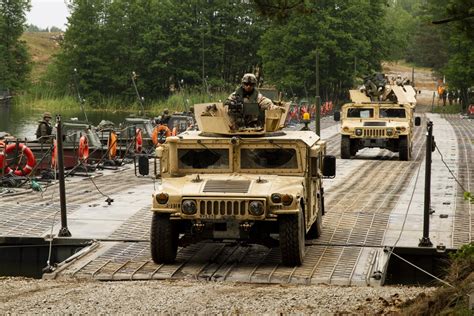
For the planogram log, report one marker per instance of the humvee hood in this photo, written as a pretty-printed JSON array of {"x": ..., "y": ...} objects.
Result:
[{"x": 234, "y": 185}]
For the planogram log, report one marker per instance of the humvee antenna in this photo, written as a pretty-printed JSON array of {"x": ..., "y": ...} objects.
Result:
[
  {"x": 81, "y": 100},
  {"x": 140, "y": 99}
]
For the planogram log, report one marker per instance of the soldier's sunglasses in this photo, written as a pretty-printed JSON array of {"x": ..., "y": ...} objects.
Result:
[{"x": 248, "y": 84}]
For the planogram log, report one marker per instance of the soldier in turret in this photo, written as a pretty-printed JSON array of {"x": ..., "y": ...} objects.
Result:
[
  {"x": 250, "y": 94},
  {"x": 245, "y": 95}
]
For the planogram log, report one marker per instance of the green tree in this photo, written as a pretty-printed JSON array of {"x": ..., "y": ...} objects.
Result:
[
  {"x": 164, "y": 42},
  {"x": 460, "y": 67},
  {"x": 348, "y": 36},
  {"x": 400, "y": 24},
  {"x": 448, "y": 47},
  {"x": 14, "y": 67}
]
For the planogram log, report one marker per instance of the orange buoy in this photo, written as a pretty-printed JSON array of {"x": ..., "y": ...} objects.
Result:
[
  {"x": 160, "y": 129},
  {"x": 83, "y": 151},
  {"x": 30, "y": 159},
  {"x": 138, "y": 141},
  {"x": 2, "y": 154},
  {"x": 112, "y": 145},
  {"x": 54, "y": 154}
]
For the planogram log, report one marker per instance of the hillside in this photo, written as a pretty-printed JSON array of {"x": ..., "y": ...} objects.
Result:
[{"x": 42, "y": 46}]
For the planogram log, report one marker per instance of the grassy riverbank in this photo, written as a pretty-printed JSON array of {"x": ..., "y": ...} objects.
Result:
[
  {"x": 47, "y": 101},
  {"x": 448, "y": 109}
]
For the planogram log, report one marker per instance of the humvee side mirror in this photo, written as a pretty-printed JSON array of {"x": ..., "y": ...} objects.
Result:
[
  {"x": 417, "y": 121},
  {"x": 337, "y": 116},
  {"x": 329, "y": 166},
  {"x": 143, "y": 166}
]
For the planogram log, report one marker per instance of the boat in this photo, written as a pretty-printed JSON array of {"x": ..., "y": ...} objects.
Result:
[
  {"x": 81, "y": 147},
  {"x": 133, "y": 135}
]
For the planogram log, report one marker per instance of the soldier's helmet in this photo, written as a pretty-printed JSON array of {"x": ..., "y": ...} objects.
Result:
[
  {"x": 46, "y": 115},
  {"x": 249, "y": 78},
  {"x": 166, "y": 111},
  {"x": 191, "y": 109}
]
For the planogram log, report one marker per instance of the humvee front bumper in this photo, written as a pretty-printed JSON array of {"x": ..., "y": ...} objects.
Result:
[{"x": 239, "y": 209}]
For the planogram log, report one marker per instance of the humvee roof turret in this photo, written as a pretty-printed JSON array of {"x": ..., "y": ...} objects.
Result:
[
  {"x": 214, "y": 118},
  {"x": 247, "y": 183}
]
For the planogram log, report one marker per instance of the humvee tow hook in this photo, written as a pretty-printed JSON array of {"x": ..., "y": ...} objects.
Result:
[{"x": 246, "y": 226}]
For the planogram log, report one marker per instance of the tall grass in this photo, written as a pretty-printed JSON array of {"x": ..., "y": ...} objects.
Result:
[
  {"x": 448, "y": 109},
  {"x": 46, "y": 99}
]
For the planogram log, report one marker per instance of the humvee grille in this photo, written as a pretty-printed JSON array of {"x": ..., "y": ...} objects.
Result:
[
  {"x": 227, "y": 186},
  {"x": 374, "y": 132},
  {"x": 215, "y": 208}
]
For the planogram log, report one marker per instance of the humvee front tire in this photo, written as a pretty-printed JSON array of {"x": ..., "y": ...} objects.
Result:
[
  {"x": 403, "y": 149},
  {"x": 292, "y": 239},
  {"x": 353, "y": 147},
  {"x": 345, "y": 147},
  {"x": 163, "y": 239}
]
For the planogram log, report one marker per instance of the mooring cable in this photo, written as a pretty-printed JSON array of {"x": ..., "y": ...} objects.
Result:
[{"x": 391, "y": 249}]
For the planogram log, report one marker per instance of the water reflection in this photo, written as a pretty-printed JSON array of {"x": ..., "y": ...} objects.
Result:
[{"x": 22, "y": 122}]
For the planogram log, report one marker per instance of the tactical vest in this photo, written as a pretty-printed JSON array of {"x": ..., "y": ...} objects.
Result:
[
  {"x": 252, "y": 98},
  {"x": 49, "y": 129}
]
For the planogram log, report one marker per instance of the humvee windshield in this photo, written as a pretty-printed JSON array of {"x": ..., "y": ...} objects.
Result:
[
  {"x": 360, "y": 112},
  {"x": 277, "y": 158},
  {"x": 392, "y": 113},
  {"x": 203, "y": 158}
]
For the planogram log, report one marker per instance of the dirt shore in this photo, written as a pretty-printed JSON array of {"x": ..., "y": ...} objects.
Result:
[{"x": 20, "y": 295}]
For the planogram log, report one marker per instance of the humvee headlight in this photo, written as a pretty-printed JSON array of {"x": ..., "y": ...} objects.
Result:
[
  {"x": 358, "y": 131},
  {"x": 401, "y": 129},
  {"x": 345, "y": 128},
  {"x": 389, "y": 131},
  {"x": 256, "y": 208},
  {"x": 287, "y": 199},
  {"x": 162, "y": 198},
  {"x": 276, "y": 198},
  {"x": 189, "y": 207}
]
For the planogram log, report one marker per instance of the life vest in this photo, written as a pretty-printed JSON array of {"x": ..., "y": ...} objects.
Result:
[
  {"x": 112, "y": 144},
  {"x": 54, "y": 154},
  {"x": 440, "y": 90},
  {"x": 30, "y": 159},
  {"x": 138, "y": 140},
  {"x": 83, "y": 151},
  {"x": 2, "y": 154}
]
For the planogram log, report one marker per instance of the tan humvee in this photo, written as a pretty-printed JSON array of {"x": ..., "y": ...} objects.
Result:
[
  {"x": 366, "y": 123},
  {"x": 249, "y": 184}
]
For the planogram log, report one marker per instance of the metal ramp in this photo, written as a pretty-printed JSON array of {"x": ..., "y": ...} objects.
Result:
[{"x": 344, "y": 265}]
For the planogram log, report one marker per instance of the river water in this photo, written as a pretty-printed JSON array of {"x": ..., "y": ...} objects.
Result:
[{"x": 22, "y": 123}]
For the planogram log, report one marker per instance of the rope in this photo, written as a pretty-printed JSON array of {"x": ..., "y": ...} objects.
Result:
[
  {"x": 400, "y": 234},
  {"x": 450, "y": 171},
  {"x": 424, "y": 271}
]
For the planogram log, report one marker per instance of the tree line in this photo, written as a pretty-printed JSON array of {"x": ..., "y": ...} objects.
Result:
[{"x": 209, "y": 44}]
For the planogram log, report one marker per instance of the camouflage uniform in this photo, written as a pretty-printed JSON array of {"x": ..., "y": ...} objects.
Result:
[
  {"x": 44, "y": 128},
  {"x": 254, "y": 97},
  {"x": 165, "y": 117}
]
